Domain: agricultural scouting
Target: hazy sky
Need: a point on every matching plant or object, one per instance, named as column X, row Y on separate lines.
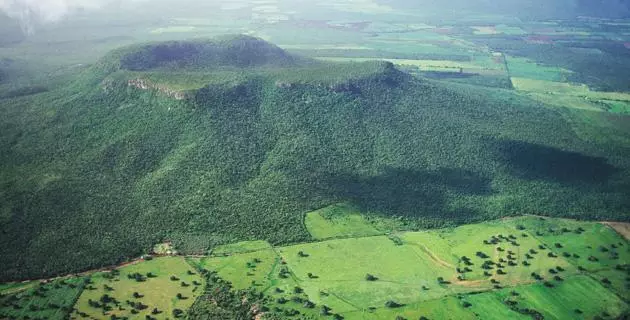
column 34, row 12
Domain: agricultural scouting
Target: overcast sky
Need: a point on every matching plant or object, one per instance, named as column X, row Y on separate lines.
column 34, row 12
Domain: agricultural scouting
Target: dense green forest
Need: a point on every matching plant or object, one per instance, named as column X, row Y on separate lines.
column 100, row 170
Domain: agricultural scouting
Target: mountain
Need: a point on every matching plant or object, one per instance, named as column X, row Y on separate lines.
column 212, row 141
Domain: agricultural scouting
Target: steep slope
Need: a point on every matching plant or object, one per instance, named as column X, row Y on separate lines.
column 212, row 152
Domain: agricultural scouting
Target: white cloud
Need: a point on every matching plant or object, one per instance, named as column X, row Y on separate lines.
column 32, row 13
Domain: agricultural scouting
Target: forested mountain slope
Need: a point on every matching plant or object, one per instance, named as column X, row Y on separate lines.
column 204, row 143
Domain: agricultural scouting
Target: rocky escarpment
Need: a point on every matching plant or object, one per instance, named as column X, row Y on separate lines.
column 144, row 84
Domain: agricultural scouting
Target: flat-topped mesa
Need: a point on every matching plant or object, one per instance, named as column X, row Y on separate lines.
column 234, row 51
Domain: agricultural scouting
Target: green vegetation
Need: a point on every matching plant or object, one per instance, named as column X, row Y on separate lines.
column 240, row 247
column 340, row 220
column 576, row 298
column 384, row 131
column 432, row 274
column 165, row 284
column 49, row 300
column 163, row 159
column 341, row 267
column 244, row 270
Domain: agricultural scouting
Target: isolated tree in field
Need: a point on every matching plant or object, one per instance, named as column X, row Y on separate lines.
column 370, row 277
column 392, row 304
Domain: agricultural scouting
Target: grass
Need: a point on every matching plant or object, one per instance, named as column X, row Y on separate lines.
column 560, row 302
column 580, row 239
column 619, row 281
column 445, row 308
column 12, row 287
column 469, row 239
column 52, row 300
column 338, row 221
column 157, row 292
column 555, row 87
column 526, row 68
column 244, row 270
column 406, row 266
column 241, row 247
column 565, row 101
column 340, row 267
column 489, row 306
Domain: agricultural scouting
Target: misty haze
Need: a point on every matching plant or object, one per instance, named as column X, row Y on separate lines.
column 334, row 159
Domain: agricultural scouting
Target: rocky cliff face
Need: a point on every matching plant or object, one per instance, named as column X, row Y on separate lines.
column 144, row 84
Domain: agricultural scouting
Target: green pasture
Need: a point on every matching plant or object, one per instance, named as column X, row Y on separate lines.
column 592, row 246
column 449, row 308
column 526, row 68
column 244, row 270
column 240, row 247
column 338, row 221
column 512, row 245
column 340, row 267
column 51, row 300
column 12, row 287
column 561, row 301
column 578, row 297
column 618, row 280
column 162, row 280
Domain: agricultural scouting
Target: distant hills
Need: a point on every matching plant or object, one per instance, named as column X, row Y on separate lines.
column 213, row 141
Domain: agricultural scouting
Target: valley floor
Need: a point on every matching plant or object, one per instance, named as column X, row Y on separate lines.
column 514, row 268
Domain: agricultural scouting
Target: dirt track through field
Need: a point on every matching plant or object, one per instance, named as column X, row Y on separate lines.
column 431, row 255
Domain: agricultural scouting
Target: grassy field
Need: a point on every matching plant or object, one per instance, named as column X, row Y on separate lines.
column 508, row 247
column 340, row 267
column 435, row 274
column 449, row 308
column 240, row 247
column 592, row 246
column 338, row 221
column 244, row 270
column 579, row 297
column 526, row 68
column 157, row 283
column 12, row 287
column 52, row 300
column 555, row 87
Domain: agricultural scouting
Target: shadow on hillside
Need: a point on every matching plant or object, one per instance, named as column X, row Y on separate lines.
column 537, row 162
column 410, row 193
